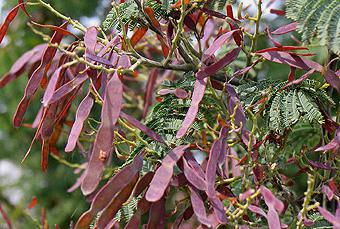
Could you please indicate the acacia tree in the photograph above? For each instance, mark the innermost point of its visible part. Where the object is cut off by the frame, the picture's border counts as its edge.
(214, 146)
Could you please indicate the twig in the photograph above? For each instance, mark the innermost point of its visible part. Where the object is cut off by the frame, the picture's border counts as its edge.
(256, 33)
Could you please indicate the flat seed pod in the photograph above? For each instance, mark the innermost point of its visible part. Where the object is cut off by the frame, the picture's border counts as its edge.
(197, 96)
(116, 203)
(198, 207)
(192, 176)
(111, 188)
(142, 127)
(218, 65)
(83, 112)
(164, 173)
(102, 148)
(37, 77)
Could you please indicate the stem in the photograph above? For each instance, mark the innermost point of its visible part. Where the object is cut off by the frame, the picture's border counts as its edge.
(44, 36)
(125, 140)
(135, 132)
(76, 24)
(220, 101)
(64, 162)
(238, 213)
(191, 49)
(253, 130)
(177, 36)
(307, 199)
(228, 181)
(256, 33)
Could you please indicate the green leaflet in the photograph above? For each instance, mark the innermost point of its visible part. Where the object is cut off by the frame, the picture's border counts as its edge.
(317, 17)
(303, 135)
(309, 109)
(319, 221)
(128, 13)
(275, 117)
(291, 113)
(320, 95)
(220, 5)
(283, 109)
(125, 13)
(330, 33)
(127, 210)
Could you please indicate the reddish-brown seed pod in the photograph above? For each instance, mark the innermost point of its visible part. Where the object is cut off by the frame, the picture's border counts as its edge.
(9, 18)
(25, 61)
(103, 143)
(115, 185)
(285, 29)
(193, 177)
(157, 215)
(218, 65)
(116, 203)
(150, 133)
(83, 112)
(37, 77)
(138, 35)
(164, 174)
(198, 206)
(149, 90)
(218, 148)
(197, 96)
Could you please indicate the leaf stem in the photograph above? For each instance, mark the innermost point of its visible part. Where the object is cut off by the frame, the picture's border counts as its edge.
(76, 24)
(256, 33)
(307, 199)
(179, 31)
(64, 162)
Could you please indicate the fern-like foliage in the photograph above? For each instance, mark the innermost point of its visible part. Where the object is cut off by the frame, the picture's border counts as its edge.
(127, 210)
(220, 5)
(317, 17)
(284, 108)
(318, 221)
(128, 13)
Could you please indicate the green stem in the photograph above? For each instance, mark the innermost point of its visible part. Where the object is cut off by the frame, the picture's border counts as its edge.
(253, 130)
(228, 181)
(135, 132)
(191, 49)
(76, 24)
(218, 99)
(177, 36)
(256, 33)
(64, 162)
(308, 196)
